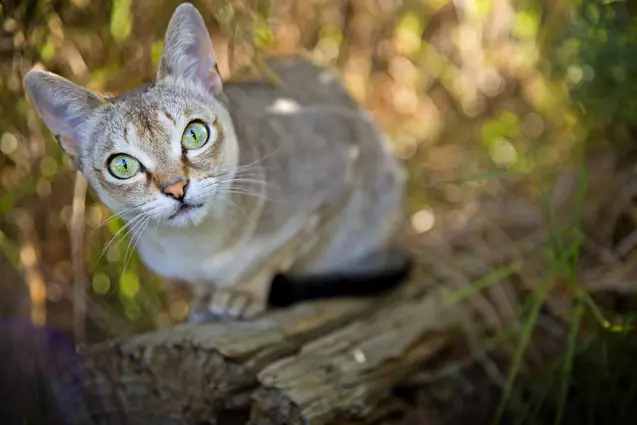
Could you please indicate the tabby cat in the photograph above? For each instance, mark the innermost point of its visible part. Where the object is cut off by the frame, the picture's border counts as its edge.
(227, 185)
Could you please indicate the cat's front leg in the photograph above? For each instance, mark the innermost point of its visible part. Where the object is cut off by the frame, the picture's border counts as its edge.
(248, 297)
(242, 301)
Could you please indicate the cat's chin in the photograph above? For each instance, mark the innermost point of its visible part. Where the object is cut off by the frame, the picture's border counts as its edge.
(189, 216)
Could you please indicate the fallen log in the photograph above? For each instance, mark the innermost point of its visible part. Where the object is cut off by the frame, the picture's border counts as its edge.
(314, 363)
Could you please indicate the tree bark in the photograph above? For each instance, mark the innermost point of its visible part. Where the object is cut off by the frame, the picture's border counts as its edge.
(315, 363)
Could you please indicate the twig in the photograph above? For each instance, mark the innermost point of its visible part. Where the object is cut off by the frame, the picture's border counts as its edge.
(77, 258)
(29, 260)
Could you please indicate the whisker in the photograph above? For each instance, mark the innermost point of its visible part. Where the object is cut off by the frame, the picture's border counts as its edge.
(246, 185)
(246, 191)
(136, 234)
(243, 168)
(134, 239)
(257, 161)
(134, 228)
(242, 180)
(107, 221)
(117, 215)
(132, 222)
(227, 199)
(245, 178)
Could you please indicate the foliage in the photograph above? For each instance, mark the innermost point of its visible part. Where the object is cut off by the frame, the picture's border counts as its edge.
(488, 103)
(596, 53)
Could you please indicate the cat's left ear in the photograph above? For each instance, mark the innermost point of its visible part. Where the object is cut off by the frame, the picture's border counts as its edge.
(64, 107)
(188, 52)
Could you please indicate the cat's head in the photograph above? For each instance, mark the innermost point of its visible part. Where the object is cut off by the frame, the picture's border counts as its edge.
(162, 151)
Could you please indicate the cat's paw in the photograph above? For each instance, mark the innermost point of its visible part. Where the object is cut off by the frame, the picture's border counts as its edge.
(227, 304)
(235, 304)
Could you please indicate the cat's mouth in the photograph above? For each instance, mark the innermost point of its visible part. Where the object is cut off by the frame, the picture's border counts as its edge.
(185, 209)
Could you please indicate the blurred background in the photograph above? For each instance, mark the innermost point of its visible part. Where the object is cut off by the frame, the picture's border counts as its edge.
(516, 121)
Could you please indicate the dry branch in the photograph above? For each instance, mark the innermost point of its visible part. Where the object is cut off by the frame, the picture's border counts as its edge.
(315, 363)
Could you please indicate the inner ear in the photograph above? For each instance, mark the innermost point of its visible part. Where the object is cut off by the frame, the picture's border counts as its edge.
(188, 53)
(63, 106)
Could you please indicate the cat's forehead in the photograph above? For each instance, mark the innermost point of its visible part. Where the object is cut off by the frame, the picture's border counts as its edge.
(154, 111)
(145, 103)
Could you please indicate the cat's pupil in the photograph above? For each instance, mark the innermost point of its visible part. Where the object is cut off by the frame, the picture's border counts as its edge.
(192, 133)
(124, 164)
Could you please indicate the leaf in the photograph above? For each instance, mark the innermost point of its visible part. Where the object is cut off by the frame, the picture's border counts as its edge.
(121, 20)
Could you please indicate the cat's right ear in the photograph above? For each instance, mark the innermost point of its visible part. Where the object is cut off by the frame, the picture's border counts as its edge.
(188, 54)
(62, 105)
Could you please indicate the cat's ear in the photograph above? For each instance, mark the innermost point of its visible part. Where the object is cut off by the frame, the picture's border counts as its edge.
(62, 105)
(188, 52)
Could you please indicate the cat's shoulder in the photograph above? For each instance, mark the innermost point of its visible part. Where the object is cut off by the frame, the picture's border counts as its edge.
(303, 83)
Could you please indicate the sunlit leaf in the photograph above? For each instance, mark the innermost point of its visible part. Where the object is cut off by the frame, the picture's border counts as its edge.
(155, 51)
(47, 51)
(263, 35)
(129, 284)
(101, 283)
(409, 33)
(121, 20)
(526, 24)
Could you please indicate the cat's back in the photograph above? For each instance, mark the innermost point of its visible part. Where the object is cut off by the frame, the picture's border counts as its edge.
(308, 128)
(320, 148)
(305, 83)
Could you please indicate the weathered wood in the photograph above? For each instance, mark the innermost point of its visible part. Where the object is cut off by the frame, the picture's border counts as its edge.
(314, 363)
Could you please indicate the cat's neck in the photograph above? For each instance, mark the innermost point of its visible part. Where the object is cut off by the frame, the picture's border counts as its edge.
(222, 227)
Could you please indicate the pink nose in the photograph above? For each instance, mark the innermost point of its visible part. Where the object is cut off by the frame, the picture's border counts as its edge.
(176, 189)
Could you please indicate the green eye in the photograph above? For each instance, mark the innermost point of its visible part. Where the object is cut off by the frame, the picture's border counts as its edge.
(123, 166)
(195, 136)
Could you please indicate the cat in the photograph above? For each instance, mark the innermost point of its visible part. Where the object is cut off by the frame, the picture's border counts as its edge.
(227, 185)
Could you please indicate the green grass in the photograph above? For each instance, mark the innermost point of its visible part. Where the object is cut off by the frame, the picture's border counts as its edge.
(563, 252)
(564, 249)
(594, 379)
